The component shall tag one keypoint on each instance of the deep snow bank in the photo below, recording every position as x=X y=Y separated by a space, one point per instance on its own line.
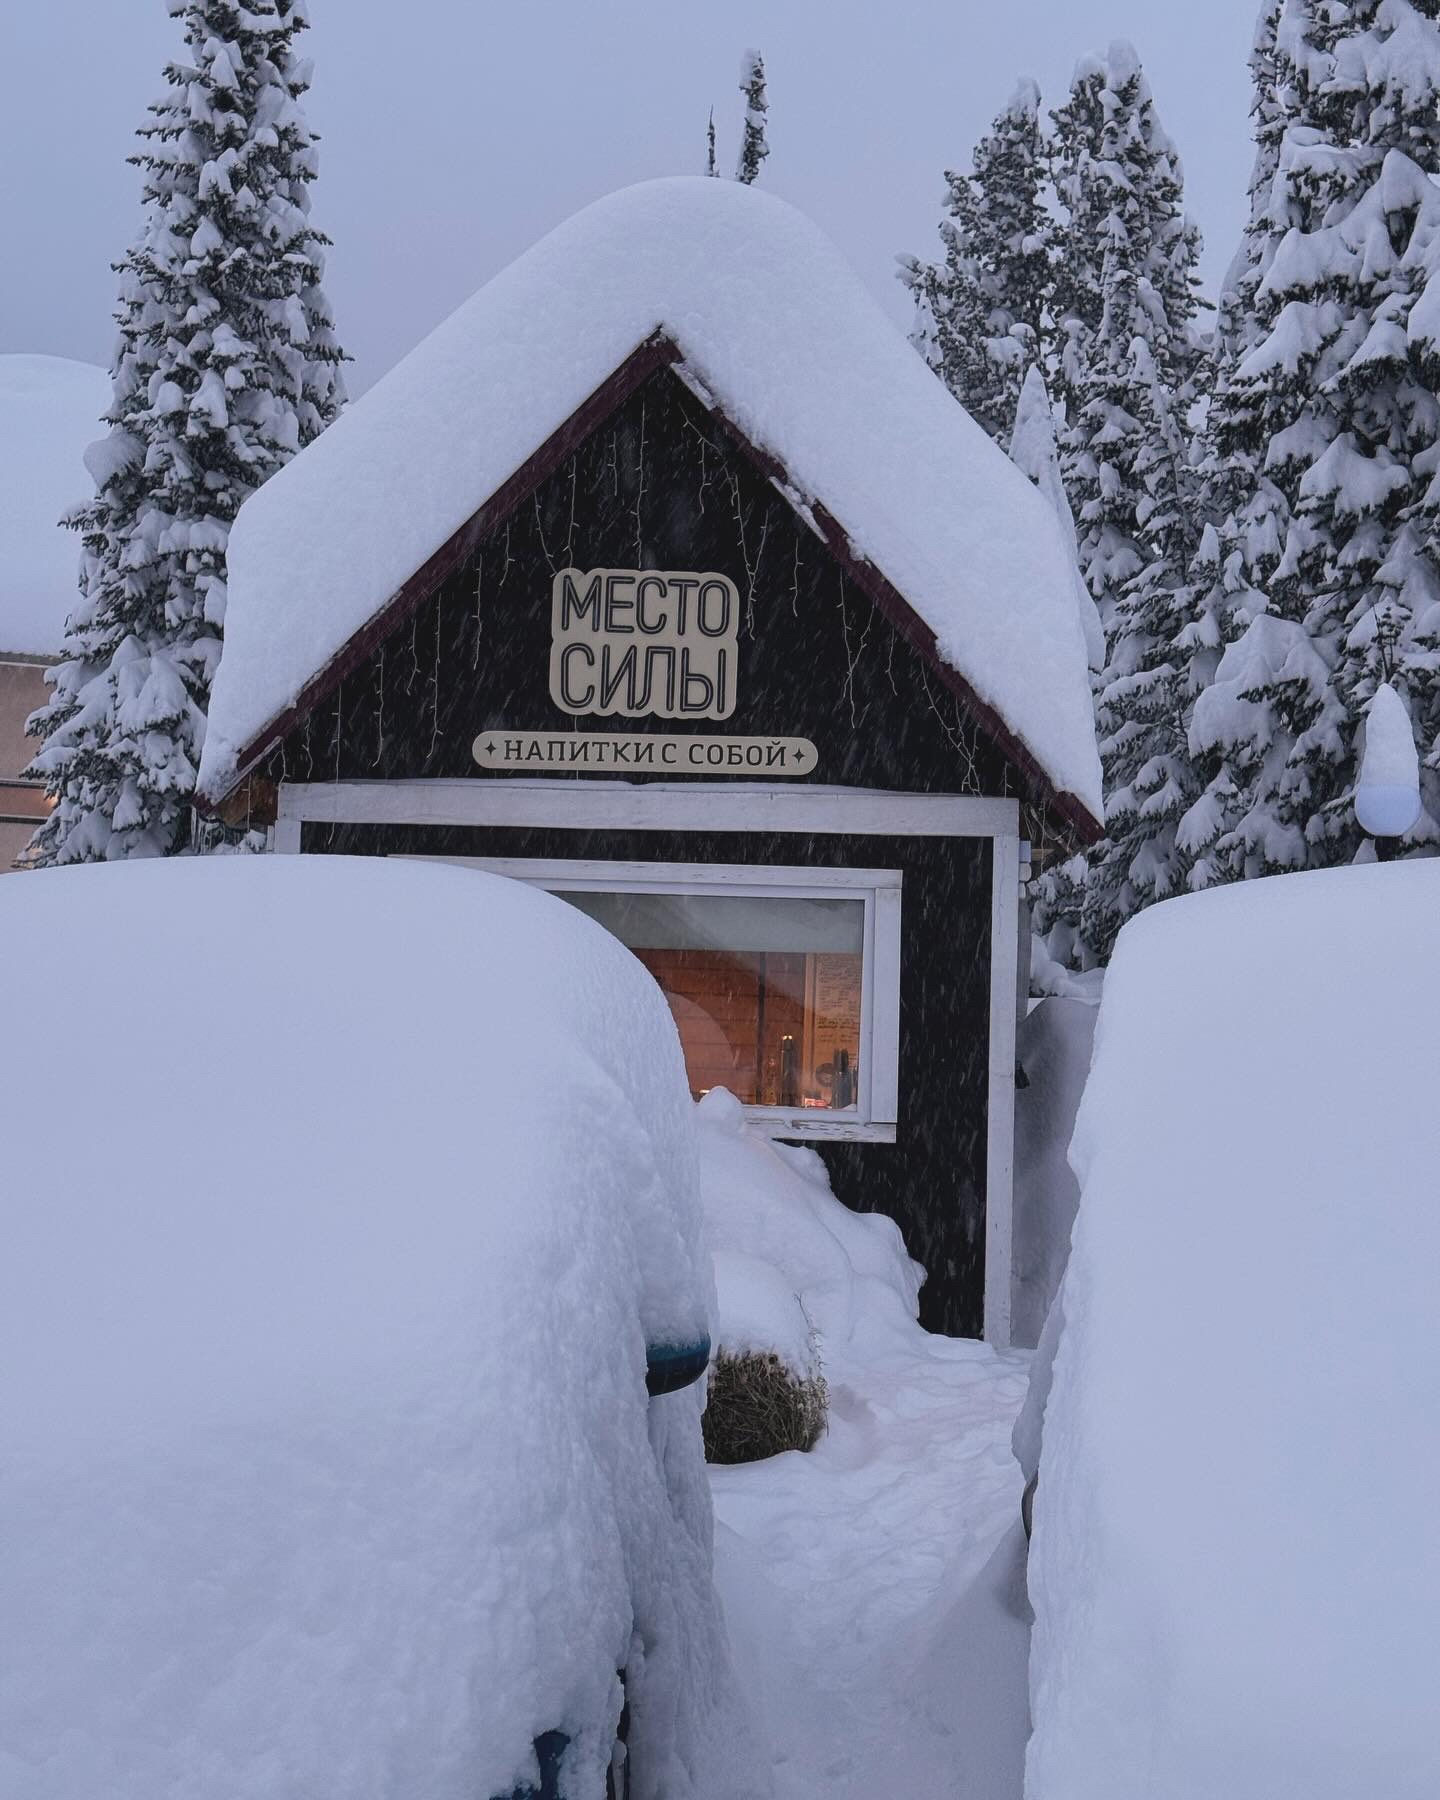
x=1235 y=1575
x=341 y=1199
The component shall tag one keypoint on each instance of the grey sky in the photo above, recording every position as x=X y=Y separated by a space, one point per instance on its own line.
x=457 y=132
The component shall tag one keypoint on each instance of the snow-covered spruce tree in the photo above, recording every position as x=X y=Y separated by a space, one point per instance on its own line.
x=1232 y=740
x=1142 y=706
x=710 y=165
x=980 y=311
x=1423 y=519
x=1170 y=806
x=1121 y=183
x=226 y=365
x=754 y=146
x=1333 y=404
x=1126 y=368
x=1111 y=162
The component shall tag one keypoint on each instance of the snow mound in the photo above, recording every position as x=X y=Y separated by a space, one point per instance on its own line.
x=796 y=1271
x=1235 y=1576
x=772 y=322
x=323 y=1317
x=50 y=410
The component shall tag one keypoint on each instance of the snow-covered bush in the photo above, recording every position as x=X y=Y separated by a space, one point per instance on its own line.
x=803 y=1285
x=757 y=1406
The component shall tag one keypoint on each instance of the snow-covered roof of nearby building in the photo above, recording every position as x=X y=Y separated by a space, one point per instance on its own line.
x=50 y=412
x=775 y=325
x=1235 y=1581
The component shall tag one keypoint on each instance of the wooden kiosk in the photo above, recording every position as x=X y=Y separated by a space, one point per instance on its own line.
x=649 y=647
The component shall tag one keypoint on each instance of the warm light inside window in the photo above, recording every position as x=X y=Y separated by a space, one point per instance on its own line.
x=766 y=990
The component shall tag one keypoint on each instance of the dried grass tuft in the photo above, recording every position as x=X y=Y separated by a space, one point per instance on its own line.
x=757 y=1406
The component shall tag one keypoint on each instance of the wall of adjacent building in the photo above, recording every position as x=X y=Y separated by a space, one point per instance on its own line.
x=22 y=802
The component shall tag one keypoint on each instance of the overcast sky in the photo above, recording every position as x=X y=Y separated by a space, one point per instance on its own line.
x=457 y=132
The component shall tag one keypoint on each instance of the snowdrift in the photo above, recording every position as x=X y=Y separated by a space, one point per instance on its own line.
x=796 y=1271
x=1235 y=1574
x=342 y=1199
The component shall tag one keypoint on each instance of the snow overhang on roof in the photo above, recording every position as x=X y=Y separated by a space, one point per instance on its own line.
x=772 y=326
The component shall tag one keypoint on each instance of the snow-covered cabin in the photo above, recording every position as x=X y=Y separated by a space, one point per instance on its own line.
x=50 y=410
x=664 y=574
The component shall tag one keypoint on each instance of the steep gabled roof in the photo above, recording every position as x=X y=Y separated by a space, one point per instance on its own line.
x=764 y=319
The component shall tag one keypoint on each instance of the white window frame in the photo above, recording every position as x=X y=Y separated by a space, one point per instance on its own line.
x=876 y=1112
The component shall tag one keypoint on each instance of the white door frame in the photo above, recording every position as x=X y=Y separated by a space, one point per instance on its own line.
x=744 y=807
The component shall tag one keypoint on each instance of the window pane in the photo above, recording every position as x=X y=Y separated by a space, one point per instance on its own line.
x=765 y=990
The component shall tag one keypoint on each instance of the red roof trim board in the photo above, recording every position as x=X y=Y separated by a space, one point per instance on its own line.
x=657 y=352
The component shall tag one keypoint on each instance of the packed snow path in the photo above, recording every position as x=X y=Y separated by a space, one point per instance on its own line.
x=874 y=1587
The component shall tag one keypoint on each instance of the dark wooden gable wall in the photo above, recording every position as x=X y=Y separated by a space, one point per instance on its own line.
x=661 y=485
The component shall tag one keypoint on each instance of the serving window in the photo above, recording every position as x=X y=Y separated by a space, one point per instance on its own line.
x=784 y=983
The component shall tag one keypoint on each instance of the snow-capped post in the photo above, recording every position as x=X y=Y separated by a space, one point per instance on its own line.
x=754 y=147
x=1387 y=793
x=227 y=364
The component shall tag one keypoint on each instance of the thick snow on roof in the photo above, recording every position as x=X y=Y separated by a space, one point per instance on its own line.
x=778 y=327
x=323 y=1314
x=49 y=413
x=1235 y=1579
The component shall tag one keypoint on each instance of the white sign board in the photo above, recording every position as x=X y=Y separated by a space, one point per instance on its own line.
x=657 y=753
x=636 y=643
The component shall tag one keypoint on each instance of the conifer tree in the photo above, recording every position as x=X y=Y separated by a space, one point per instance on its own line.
x=710 y=164
x=1239 y=507
x=980 y=311
x=1125 y=270
x=226 y=365
x=1142 y=707
x=1333 y=407
x=1126 y=366
x=754 y=146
